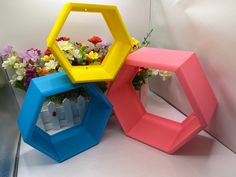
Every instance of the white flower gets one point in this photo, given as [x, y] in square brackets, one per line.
[20, 72]
[155, 72]
[69, 56]
[19, 65]
[163, 73]
[65, 45]
[14, 79]
[76, 54]
[5, 64]
[19, 78]
[12, 82]
[11, 60]
[60, 69]
[52, 64]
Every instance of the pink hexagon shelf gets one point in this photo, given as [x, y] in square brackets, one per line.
[159, 132]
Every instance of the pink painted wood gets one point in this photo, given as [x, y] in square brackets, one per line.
[160, 132]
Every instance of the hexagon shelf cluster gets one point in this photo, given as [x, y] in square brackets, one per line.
[116, 54]
[72, 141]
[156, 131]
[159, 132]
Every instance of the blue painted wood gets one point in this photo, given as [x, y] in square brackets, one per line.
[74, 140]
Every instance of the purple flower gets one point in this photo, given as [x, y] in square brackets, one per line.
[24, 57]
[31, 72]
[104, 44]
[6, 51]
[34, 52]
[31, 55]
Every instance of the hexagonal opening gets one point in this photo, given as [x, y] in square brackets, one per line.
[85, 47]
[141, 124]
[63, 111]
[170, 90]
[117, 52]
[155, 103]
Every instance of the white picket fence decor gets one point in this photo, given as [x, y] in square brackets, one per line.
[55, 118]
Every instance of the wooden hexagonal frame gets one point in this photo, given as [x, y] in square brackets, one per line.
[159, 132]
[74, 140]
[117, 52]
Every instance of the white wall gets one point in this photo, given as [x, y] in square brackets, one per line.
[27, 23]
[208, 28]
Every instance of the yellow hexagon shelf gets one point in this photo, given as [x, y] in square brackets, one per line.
[117, 52]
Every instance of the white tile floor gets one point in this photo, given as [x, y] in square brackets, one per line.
[120, 156]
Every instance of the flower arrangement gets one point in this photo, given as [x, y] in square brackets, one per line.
[34, 63]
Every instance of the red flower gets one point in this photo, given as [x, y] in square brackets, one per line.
[79, 44]
[95, 40]
[47, 52]
[64, 38]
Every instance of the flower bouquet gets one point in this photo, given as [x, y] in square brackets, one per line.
[35, 63]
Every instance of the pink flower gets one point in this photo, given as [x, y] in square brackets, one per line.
[31, 55]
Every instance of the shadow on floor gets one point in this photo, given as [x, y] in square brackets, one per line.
[198, 146]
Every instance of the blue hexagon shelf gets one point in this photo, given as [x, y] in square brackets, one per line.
[74, 140]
